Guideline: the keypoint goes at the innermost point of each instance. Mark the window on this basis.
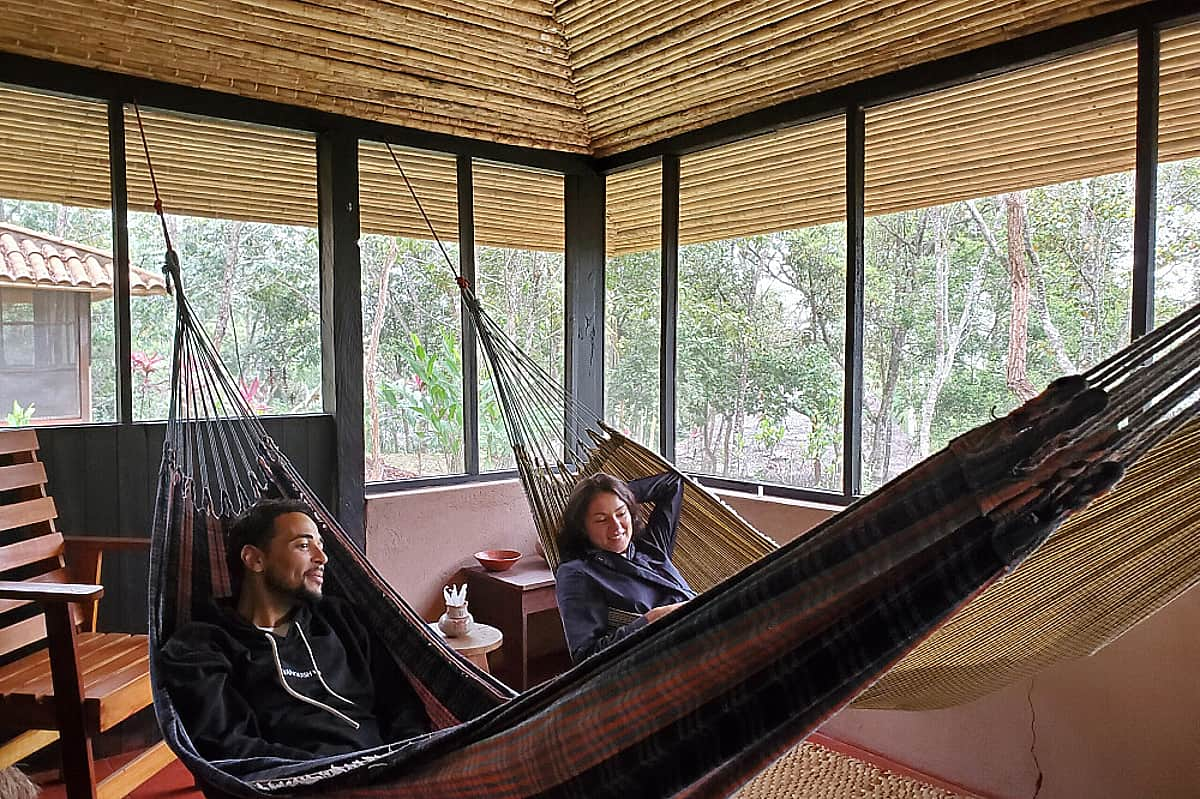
(762, 266)
(412, 349)
(1177, 250)
(519, 267)
(57, 352)
(998, 247)
(241, 210)
(632, 306)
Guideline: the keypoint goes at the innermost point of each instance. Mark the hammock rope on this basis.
(695, 704)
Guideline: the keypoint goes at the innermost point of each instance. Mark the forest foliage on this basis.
(969, 307)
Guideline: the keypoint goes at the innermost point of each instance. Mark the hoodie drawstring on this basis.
(296, 694)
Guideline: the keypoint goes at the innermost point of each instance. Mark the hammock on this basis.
(697, 703)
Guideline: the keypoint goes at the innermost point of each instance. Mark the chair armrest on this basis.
(85, 560)
(50, 592)
(105, 543)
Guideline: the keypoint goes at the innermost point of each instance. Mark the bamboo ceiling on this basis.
(598, 76)
(1063, 120)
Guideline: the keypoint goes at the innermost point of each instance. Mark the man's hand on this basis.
(654, 614)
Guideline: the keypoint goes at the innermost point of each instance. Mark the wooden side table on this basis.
(507, 599)
(475, 645)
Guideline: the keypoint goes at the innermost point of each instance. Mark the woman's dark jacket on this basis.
(640, 579)
(236, 694)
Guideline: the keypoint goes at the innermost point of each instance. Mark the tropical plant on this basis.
(20, 417)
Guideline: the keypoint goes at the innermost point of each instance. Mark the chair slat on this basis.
(30, 551)
(22, 475)
(113, 656)
(109, 653)
(19, 676)
(18, 441)
(32, 511)
(23, 633)
(124, 692)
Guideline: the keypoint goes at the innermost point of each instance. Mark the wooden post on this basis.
(341, 322)
(470, 350)
(669, 307)
(584, 286)
(78, 770)
(1145, 199)
(855, 289)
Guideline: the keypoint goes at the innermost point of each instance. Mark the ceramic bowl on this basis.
(497, 560)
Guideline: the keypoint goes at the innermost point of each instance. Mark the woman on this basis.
(609, 559)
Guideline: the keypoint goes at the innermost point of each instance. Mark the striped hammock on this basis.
(695, 704)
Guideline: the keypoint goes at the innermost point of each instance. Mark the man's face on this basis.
(294, 563)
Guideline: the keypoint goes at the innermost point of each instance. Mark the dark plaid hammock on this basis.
(697, 703)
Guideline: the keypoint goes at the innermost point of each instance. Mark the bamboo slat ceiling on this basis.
(597, 76)
(1063, 120)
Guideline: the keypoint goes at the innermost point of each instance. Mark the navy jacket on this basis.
(640, 579)
(325, 688)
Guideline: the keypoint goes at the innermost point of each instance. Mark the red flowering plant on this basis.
(255, 393)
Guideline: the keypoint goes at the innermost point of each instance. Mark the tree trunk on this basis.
(1065, 364)
(1016, 367)
(948, 338)
(942, 357)
(371, 357)
(233, 241)
(902, 292)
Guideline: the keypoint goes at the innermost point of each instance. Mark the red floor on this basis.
(174, 781)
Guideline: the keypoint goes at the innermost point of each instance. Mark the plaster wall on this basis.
(420, 539)
(1123, 723)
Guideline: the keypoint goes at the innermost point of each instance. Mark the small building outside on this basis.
(47, 286)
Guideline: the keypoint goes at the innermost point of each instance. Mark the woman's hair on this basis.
(572, 536)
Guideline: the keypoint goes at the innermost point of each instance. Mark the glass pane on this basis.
(519, 267)
(1177, 249)
(632, 303)
(56, 240)
(242, 210)
(412, 351)
(762, 268)
(998, 247)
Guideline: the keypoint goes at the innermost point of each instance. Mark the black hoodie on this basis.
(326, 688)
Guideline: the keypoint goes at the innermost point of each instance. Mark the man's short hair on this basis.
(255, 527)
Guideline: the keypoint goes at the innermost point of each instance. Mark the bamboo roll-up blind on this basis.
(53, 149)
(633, 210)
(222, 169)
(792, 179)
(1064, 120)
(518, 207)
(387, 207)
(1179, 94)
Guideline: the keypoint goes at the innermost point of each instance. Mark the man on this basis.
(282, 671)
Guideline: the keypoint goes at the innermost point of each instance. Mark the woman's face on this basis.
(608, 522)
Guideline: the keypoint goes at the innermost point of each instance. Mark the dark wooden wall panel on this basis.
(104, 477)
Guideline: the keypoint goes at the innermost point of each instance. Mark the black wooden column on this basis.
(1145, 200)
(470, 349)
(855, 287)
(669, 307)
(584, 288)
(341, 321)
(118, 183)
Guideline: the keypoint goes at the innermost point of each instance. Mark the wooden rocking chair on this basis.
(79, 683)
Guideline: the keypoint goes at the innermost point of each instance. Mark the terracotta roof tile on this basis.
(29, 258)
